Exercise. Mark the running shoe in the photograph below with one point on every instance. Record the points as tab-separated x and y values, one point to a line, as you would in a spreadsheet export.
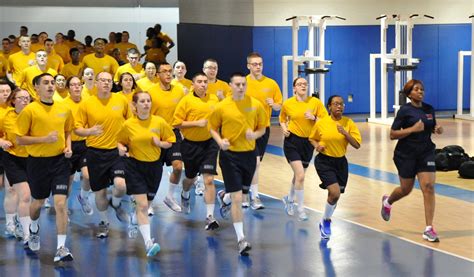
430	235
245	200
385	211
85	205
325	228
103	230
186	204
63	255
302	216
120	212
211	223
224	208
256	204
289	205
34	240
244	247
171	203
152	248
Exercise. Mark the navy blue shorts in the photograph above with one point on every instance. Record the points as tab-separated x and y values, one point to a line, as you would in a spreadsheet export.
332	171
261	143
298	149
174	152
408	167
78	158
199	157
15	168
48	175
237	169
104	165
143	177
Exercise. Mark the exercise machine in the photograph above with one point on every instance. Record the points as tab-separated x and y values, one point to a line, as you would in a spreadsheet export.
461	54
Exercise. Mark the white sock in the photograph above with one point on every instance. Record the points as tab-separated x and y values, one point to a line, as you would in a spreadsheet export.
329	210
145	231
210	209
185	194
171	189
103	216
254	190
239	230
84	194
25	224
227	199
34	225
386	204
291	195
116	201
427	228
300	199
9	218
61	241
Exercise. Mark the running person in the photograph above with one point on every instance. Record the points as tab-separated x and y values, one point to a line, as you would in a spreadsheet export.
127	85
235	124
78	144
141	139
100	119
265	90
198	148
45	128
150	79
297	117
330	137
14	159
414	154
165	97
179	72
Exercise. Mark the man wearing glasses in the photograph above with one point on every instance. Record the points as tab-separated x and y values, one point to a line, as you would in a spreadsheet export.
133	66
100	119
215	86
164	99
267	91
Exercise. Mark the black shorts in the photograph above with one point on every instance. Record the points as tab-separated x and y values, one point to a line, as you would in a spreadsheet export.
143	177
408	167
104	165
237	169
78	159
261	143
15	168
298	149
332	170
2	169
199	157
174	152
48	175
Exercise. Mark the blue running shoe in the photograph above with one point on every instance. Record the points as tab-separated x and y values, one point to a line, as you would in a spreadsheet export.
325	228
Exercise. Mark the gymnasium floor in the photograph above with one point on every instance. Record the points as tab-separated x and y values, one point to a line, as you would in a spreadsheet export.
362	243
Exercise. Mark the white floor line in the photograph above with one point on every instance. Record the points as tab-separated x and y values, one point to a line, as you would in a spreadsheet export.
377	230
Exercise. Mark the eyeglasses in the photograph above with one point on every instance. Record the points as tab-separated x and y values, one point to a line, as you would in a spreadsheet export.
211	67
105	80
256	64
338	104
301	84
23	98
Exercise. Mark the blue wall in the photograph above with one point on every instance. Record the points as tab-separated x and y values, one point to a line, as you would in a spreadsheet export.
349	48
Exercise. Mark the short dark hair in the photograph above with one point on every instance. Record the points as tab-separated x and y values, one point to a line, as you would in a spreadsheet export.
68	81
236	74
74	49
198	74
37	79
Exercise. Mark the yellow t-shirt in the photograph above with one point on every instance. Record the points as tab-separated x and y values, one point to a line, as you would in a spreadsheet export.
193	108
4	66
234	118
163	103
128	96
74	106
130	69
145	84
104	64
20	61
110	113
25	79
35	47
60	96
137	135
263	89
86	93
293	112
8	127
156	55
326	134
70	70
124	46
38	119
212	88
55	62
63	51
184	82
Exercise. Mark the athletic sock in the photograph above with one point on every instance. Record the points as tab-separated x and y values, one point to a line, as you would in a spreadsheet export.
300	199
239	230
254	190
329	210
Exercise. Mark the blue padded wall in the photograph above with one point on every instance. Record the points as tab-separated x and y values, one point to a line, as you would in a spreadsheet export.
347	46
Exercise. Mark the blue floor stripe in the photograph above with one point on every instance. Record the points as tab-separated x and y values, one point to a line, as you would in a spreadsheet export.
392	178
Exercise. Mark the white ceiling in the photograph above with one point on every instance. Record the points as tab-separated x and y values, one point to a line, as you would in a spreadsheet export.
92	3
